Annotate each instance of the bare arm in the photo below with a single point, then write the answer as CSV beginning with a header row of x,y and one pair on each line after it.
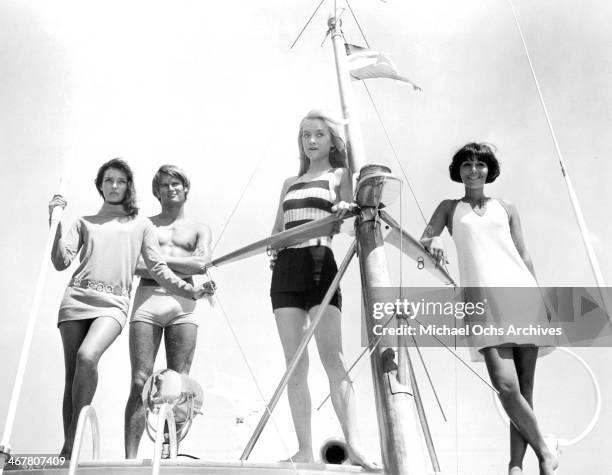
x,y
279,224
517,236
194,264
346,185
345,193
159,270
65,248
431,236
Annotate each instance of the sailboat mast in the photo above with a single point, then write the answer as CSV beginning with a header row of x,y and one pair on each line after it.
x,y
354,142
399,440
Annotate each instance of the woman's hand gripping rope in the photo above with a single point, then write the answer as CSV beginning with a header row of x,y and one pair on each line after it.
x,y
57,200
435,246
342,208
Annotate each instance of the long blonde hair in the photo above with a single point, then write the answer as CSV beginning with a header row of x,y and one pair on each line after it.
x,y
337,154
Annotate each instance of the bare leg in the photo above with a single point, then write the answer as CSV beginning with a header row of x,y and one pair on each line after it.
x,y
329,343
291,324
102,332
525,362
144,344
503,373
73,333
180,343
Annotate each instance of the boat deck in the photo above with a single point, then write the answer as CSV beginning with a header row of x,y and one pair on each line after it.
x,y
189,467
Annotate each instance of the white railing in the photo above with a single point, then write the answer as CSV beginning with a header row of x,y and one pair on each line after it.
x,y
165,415
87,414
565,442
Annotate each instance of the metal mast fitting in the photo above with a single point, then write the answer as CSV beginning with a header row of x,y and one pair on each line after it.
x,y
401,442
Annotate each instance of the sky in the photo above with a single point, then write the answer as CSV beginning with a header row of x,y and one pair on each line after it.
x,y
215,89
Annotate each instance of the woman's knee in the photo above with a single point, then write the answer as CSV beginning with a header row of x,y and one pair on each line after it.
x,y
507,387
527,389
335,368
87,360
300,374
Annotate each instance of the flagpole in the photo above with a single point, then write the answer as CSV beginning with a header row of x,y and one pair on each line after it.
x,y
354,141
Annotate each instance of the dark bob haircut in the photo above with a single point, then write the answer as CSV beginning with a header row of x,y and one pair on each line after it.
x,y
480,151
129,200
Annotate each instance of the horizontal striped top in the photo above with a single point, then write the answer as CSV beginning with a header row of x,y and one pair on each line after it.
x,y
309,200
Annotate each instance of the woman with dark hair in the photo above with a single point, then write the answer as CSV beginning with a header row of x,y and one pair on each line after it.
x,y
95,304
302,275
491,253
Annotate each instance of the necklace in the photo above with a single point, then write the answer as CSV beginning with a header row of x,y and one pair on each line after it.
x,y
475,203
478,206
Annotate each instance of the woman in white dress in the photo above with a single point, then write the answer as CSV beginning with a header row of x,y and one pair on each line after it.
x,y
491,253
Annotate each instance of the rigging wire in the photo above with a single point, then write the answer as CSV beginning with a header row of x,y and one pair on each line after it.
x,y
252,374
431,384
358,24
573,198
396,156
244,190
378,115
369,350
306,25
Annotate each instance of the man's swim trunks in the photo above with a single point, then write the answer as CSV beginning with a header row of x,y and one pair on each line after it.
x,y
154,305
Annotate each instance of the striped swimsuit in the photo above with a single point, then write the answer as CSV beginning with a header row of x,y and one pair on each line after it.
x,y
302,273
307,201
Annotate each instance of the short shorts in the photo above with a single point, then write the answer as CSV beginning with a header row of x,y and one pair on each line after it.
x,y
305,299
155,305
301,277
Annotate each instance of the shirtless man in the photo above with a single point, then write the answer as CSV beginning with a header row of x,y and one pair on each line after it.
x,y
185,245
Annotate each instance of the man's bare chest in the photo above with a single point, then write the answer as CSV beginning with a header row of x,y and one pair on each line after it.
x,y
177,237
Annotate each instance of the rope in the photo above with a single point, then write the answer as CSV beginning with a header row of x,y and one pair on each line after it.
x,y
252,374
